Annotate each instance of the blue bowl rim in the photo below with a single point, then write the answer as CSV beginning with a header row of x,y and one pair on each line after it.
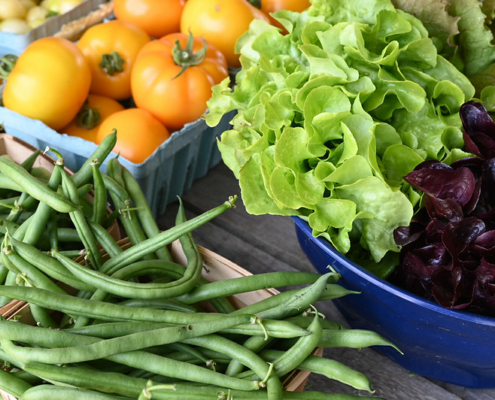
x,y
392,289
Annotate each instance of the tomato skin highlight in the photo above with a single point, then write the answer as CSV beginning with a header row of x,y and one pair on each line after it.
x,y
103,39
156,17
139,134
270,6
175,100
220,22
105,107
50,82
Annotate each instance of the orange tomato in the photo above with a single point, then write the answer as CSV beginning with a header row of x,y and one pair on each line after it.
x,y
49,82
172,98
270,6
88,120
157,17
139,134
220,22
110,50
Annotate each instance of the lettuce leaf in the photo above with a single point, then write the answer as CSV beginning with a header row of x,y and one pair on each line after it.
x,y
332,116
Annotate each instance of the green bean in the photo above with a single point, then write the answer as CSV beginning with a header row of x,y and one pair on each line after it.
x,y
299,301
122,203
100,194
134,290
331,291
353,338
229,287
10,280
102,310
186,349
85,173
136,359
83,190
44,212
290,359
35,276
12,384
51,228
273,328
254,344
48,265
162,304
72,253
126,288
105,239
9,202
180,370
26,376
7,183
185,391
108,382
109,347
43,392
243,355
222,305
150,245
16,211
138,268
28,163
34,187
42,317
331,369
80,223
21,230
305,319
40,173
3,273
68,235
143,211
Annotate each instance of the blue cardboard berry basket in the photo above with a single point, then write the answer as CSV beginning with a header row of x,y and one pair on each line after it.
x,y
67,25
167,173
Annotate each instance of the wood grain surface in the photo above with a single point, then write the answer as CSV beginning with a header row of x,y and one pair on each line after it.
x,y
268,243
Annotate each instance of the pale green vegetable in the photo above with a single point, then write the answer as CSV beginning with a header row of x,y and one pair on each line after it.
x,y
332,116
14,25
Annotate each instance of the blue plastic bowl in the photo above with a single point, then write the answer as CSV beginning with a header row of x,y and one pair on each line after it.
x,y
448,345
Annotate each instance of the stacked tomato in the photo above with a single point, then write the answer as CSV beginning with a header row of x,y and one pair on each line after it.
x,y
165,55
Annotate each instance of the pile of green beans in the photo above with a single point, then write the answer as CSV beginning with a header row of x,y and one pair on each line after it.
x,y
131,322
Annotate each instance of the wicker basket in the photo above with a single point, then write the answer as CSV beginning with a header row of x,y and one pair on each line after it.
x,y
215,267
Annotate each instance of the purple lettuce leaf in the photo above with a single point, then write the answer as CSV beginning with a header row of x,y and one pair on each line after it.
x,y
448,251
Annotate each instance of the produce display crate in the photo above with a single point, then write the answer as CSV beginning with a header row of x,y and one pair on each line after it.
x,y
68,25
19,150
215,268
166,174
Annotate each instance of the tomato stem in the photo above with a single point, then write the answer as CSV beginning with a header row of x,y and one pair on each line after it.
x,y
255,3
112,63
7,64
185,57
88,117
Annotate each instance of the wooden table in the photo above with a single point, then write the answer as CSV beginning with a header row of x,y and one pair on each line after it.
x,y
269,243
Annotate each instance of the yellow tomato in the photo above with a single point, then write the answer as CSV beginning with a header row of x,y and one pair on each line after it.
x,y
139,134
88,120
49,82
110,50
172,94
157,17
220,22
